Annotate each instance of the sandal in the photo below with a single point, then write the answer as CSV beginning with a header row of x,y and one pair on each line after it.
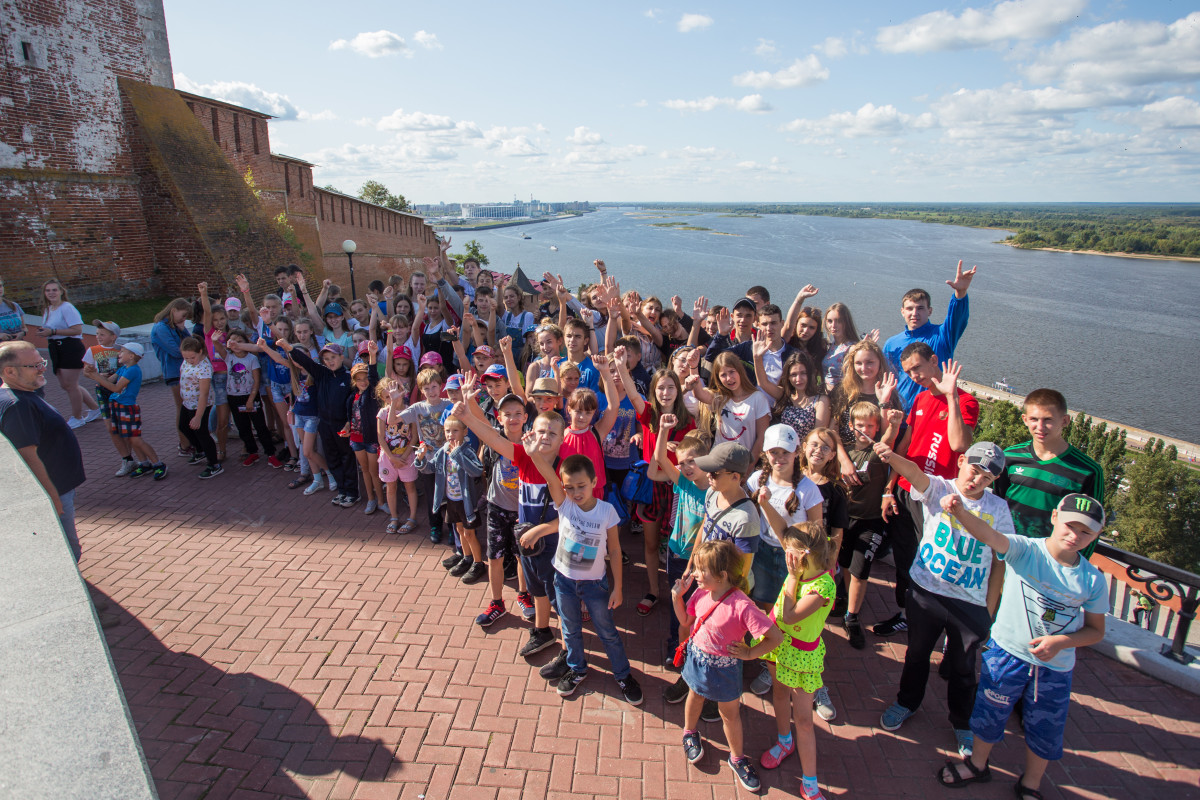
x,y
957,781
407,527
299,481
1023,792
393,525
646,605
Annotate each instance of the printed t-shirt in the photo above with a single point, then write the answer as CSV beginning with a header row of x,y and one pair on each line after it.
x,y
618,447
736,615
128,396
738,420
104,358
12,317
241,374
453,479
650,438
585,444
428,418
809,495
739,524
504,486
834,509
1042,598
189,383
689,517
929,447
356,420
397,439
863,501
583,540
533,501
950,561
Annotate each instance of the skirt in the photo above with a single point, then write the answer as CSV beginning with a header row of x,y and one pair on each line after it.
x,y
712,677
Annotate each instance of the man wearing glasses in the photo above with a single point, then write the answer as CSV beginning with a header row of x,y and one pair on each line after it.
x,y
39,432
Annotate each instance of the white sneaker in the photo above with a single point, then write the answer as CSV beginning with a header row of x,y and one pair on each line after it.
x,y
824,705
317,485
333,487
92,416
127,466
74,423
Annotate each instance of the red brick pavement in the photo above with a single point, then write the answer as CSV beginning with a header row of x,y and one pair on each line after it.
x,y
272,645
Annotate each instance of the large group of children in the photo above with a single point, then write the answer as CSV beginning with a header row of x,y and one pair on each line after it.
x,y
766,458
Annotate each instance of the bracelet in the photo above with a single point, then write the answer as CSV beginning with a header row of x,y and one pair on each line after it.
x,y
888,494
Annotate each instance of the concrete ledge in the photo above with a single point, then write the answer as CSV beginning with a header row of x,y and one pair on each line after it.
x,y
1139,648
65,730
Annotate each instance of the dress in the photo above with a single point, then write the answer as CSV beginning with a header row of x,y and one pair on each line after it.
x,y
800,657
802,418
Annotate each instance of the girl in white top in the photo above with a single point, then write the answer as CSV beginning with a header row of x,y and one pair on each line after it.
x,y
732,408
63,328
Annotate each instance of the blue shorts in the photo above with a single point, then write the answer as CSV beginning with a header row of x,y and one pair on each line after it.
x,y
306,424
1003,680
280,392
539,569
359,447
770,571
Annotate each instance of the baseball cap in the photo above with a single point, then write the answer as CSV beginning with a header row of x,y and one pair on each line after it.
x,y
729,456
358,368
454,381
333,347
363,347
111,327
510,398
530,329
134,348
288,297
987,455
1081,508
495,371
781,435
334,308
233,304
746,303
485,351
401,351
544,387
431,358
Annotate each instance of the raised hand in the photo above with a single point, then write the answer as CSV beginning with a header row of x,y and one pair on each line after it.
x,y
760,347
388,293
282,344
242,284
421,301
445,245
459,410
599,265
764,495
691,383
303,284
949,380
681,586
372,348
677,305
505,345
893,416
431,266
202,288
618,353
873,335
666,422
700,309
325,284
950,503
962,280
724,322
808,291
887,385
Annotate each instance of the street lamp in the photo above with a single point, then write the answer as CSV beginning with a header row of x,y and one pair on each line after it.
x,y
349,247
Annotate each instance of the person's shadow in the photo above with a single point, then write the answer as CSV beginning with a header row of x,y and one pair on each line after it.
x,y
211,733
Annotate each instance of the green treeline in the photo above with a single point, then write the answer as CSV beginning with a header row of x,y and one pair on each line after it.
x,y
1144,228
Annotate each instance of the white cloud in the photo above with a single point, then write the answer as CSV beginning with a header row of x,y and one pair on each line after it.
x,y
1174,112
1010,105
605,154
427,40
641,104
1006,21
320,116
802,72
693,22
1124,53
416,121
751,104
652,13
374,44
774,166
765,48
833,47
583,136
247,94
870,120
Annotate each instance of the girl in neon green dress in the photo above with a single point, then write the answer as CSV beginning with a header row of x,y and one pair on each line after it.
x,y
797,663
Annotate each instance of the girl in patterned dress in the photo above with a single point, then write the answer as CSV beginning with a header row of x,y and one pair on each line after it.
x,y
798,398
798,662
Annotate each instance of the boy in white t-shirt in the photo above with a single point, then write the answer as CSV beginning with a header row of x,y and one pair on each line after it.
x,y
587,532
952,589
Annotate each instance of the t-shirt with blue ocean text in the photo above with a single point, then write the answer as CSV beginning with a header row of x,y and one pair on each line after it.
x,y
950,561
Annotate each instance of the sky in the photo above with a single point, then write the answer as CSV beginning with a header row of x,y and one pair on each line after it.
x,y
1014,101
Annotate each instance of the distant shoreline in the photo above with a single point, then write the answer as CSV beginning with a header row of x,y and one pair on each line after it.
x,y
1147,256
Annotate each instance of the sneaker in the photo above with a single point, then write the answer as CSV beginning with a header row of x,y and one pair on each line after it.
x,y
211,472
858,639
348,501
894,717
762,683
677,692
891,625
274,462
966,742
127,466
92,416
250,460
464,564
693,748
631,691
570,682
709,711
557,668
184,452
317,485
494,611
160,471
475,574
75,423
824,705
525,601
539,640
337,499
140,470
197,458
371,508
745,773
435,534
635,527
450,561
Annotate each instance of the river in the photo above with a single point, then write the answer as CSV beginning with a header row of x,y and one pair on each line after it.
x,y
1105,331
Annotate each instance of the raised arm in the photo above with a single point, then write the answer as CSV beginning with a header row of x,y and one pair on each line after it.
x,y
510,366
483,431
627,382
611,394
793,315
661,467
985,533
205,305
244,287
959,434
902,467
545,467
773,390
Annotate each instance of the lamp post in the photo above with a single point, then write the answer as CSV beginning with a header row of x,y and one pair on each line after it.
x,y
349,247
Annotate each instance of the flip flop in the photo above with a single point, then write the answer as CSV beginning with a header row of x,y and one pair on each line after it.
x,y
646,605
957,781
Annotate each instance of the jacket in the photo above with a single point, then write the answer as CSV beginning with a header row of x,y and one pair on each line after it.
x,y
333,388
469,468
165,339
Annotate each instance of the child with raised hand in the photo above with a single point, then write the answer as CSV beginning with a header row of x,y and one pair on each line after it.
x,y
953,588
125,415
302,418
587,533
241,391
427,416
216,328
456,468
278,375
799,401
104,358
867,377
397,450
581,436
1031,656
731,406
797,664
362,408
713,623
549,340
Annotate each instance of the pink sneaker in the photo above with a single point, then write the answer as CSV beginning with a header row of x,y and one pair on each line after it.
x,y
775,756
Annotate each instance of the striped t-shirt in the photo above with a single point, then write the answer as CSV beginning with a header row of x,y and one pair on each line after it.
x,y
1033,488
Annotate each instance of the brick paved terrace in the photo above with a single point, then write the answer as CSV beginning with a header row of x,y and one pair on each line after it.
x,y
271,645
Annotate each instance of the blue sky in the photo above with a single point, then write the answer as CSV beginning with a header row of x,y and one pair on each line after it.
x,y
1022,100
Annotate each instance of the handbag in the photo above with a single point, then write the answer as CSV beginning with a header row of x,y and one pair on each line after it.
x,y
637,486
681,650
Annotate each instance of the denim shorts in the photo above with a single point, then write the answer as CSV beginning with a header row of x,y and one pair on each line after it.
x,y
280,392
1003,680
770,571
220,380
539,569
359,447
306,424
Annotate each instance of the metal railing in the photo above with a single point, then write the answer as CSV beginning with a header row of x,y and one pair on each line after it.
x,y
1174,591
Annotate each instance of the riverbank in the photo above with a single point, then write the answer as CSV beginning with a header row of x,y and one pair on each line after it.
x,y
1146,256
488,226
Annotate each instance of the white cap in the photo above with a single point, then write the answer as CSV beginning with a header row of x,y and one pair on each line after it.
x,y
134,348
781,435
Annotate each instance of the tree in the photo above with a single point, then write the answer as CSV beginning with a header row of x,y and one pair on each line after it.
x,y
473,249
375,192
1158,510
331,188
1106,447
1000,422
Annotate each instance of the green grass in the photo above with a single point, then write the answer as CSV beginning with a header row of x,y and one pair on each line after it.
x,y
126,314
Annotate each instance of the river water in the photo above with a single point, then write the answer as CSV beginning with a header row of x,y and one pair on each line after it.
x,y
1113,334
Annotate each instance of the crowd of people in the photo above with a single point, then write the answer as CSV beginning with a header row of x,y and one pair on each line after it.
x,y
765,458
